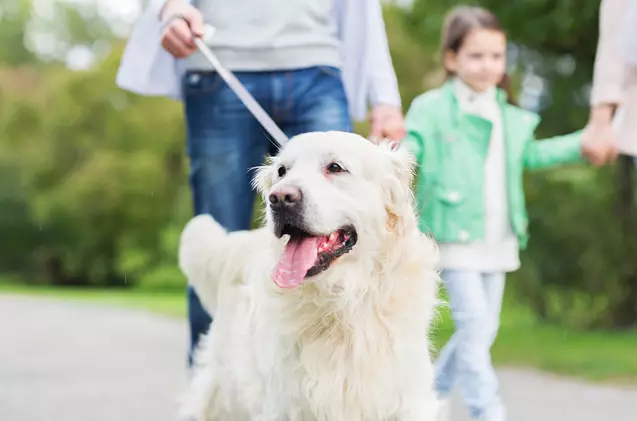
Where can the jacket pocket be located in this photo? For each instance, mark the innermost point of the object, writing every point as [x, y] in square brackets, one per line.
[450, 215]
[449, 196]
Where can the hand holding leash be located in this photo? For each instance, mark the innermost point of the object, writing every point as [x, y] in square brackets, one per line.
[180, 22]
[185, 32]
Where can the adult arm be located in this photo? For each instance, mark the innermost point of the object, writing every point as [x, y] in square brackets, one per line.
[384, 96]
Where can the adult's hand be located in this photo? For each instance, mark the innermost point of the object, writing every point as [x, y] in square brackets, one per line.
[387, 122]
[599, 138]
[181, 22]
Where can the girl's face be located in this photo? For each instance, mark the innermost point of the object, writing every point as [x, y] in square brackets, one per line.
[481, 60]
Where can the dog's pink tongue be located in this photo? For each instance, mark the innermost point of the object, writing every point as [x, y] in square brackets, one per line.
[297, 258]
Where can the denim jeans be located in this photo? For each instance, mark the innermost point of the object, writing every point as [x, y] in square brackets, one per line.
[225, 142]
[476, 301]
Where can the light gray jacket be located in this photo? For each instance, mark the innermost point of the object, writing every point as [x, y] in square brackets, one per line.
[615, 74]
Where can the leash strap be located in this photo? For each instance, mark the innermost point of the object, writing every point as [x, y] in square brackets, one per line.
[237, 87]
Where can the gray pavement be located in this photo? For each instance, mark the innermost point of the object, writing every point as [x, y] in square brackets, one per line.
[66, 361]
[69, 361]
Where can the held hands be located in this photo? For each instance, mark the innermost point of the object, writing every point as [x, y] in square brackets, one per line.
[598, 139]
[387, 122]
[181, 22]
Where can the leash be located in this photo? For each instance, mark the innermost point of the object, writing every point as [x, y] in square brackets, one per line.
[237, 87]
[278, 137]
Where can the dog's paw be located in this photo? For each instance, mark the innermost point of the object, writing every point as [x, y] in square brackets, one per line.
[198, 241]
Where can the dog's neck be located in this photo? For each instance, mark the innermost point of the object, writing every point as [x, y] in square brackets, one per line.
[348, 329]
[339, 305]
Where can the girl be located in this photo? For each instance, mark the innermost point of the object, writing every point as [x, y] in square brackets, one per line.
[472, 145]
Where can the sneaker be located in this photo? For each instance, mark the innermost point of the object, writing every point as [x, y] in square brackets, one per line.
[444, 409]
[499, 416]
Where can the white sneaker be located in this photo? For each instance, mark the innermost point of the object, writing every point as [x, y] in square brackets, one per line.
[501, 416]
[444, 409]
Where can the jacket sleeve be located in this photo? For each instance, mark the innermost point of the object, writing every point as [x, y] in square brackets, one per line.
[420, 138]
[610, 69]
[414, 140]
[553, 152]
[146, 68]
[628, 36]
[382, 82]
[414, 143]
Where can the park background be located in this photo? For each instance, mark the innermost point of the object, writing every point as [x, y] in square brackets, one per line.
[94, 194]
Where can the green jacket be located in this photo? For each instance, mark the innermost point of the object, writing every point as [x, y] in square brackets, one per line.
[451, 146]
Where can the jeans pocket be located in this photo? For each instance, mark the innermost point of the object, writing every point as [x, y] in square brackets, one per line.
[330, 71]
[196, 82]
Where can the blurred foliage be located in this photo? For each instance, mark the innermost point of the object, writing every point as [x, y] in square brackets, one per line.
[97, 181]
[14, 15]
[93, 186]
[579, 270]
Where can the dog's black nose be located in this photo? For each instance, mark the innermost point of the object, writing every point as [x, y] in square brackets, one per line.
[287, 197]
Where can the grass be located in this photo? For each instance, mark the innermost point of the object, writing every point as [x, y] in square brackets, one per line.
[596, 356]
[168, 303]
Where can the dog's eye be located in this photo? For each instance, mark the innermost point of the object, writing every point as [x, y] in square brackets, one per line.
[335, 167]
[282, 171]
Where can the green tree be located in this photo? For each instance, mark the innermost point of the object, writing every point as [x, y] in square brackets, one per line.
[101, 173]
[14, 15]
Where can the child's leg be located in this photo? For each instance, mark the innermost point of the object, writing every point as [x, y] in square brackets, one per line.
[494, 291]
[473, 299]
[446, 363]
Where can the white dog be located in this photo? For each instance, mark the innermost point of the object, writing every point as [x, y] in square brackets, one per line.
[332, 324]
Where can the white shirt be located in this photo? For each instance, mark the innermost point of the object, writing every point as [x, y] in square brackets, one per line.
[498, 251]
[368, 74]
[269, 35]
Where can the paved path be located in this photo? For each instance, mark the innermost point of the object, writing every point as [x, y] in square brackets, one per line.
[65, 361]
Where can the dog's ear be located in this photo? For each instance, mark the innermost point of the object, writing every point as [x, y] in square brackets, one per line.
[262, 180]
[397, 185]
[402, 163]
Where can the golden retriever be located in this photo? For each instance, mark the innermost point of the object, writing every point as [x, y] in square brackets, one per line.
[323, 314]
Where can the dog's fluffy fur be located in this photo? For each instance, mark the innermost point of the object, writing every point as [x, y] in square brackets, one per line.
[350, 343]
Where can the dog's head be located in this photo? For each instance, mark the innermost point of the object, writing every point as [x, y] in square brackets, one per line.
[339, 197]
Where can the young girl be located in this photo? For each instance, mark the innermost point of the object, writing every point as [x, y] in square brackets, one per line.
[472, 145]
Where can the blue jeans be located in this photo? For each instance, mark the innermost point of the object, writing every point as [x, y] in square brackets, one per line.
[476, 301]
[225, 142]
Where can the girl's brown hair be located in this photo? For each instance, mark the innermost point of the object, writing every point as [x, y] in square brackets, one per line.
[459, 23]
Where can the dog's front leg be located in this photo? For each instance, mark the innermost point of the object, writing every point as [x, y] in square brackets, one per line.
[202, 250]
[420, 403]
[419, 409]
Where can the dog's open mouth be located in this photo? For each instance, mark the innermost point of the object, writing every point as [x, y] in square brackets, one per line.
[307, 255]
